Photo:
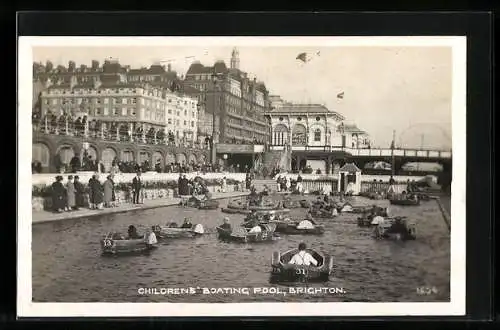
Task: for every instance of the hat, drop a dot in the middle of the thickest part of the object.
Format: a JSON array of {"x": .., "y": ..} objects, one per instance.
[{"x": 59, "y": 178}]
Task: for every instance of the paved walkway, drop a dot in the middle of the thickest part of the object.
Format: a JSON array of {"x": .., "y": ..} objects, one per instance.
[{"x": 45, "y": 216}]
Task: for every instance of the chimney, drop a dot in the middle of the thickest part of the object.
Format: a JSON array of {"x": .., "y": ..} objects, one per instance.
[{"x": 169, "y": 67}]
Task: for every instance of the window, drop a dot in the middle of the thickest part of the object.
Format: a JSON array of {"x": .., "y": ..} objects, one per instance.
[
  {"x": 124, "y": 101},
  {"x": 317, "y": 135},
  {"x": 115, "y": 111},
  {"x": 185, "y": 112},
  {"x": 169, "y": 121},
  {"x": 192, "y": 124},
  {"x": 178, "y": 113},
  {"x": 178, "y": 122},
  {"x": 169, "y": 111},
  {"x": 185, "y": 123},
  {"x": 54, "y": 101},
  {"x": 142, "y": 101},
  {"x": 124, "y": 111},
  {"x": 105, "y": 100},
  {"x": 134, "y": 100},
  {"x": 106, "y": 111}
]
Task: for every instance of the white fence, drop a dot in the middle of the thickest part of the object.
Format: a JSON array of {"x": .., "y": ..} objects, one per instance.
[{"x": 364, "y": 178}]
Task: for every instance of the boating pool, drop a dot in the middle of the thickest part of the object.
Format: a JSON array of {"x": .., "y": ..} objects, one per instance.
[{"x": 68, "y": 266}]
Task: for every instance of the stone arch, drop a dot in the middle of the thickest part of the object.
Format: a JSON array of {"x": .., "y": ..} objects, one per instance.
[
  {"x": 169, "y": 158},
  {"x": 299, "y": 134},
  {"x": 65, "y": 152},
  {"x": 93, "y": 151},
  {"x": 143, "y": 156},
  {"x": 192, "y": 159},
  {"x": 41, "y": 153},
  {"x": 127, "y": 155},
  {"x": 280, "y": 135},
  {"x": 158, "y": 157},
  {"x": 180, "y": 158},
  {"x": 107, "y": 156},
  {"x": 202, "y": 158}
]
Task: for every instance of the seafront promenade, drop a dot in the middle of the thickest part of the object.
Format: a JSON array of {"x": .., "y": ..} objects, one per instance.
[{"x": 46, "y": 216}]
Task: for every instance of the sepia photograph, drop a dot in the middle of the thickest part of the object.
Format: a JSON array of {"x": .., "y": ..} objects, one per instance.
[{"x": 241, "y": 176}]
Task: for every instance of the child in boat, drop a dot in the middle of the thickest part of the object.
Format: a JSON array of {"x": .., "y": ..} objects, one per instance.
[
  {"x": 226, "y": 225},
  {"x": 187, "y": 223},
  {"x": 132, "y": 233},
  {"x": 303, "y": 257}
]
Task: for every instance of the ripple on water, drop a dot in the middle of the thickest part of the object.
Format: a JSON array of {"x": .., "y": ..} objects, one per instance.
[{"x": 68, "y": 267}]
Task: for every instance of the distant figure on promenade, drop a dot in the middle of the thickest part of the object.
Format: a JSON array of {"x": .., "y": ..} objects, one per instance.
[
  {"x": 391, "y": 189},
  {"x": 75, "y": 164},
  {"x": 96, "y": 193},
  {"x": 248, "y": 181},
  {"x": 223, "y": 185},
  {"x": 303, "y": 257},
  {"x": 70, "y": 194},
  {"x": 278, "y": 181},
  {"x": 136, "y": 187},
  {"x": 109, "y": 191},
  {"x": 79, "y": 193},
  {"x": 288, "y": 183},
  {"x": 58, "y": 195}
]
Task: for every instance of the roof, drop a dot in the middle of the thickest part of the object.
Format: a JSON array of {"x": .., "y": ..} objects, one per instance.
[
  {"x": 352, "y": 128},
  {"x": 304, "y": 108},
  {"x": 349, "y": 167}
]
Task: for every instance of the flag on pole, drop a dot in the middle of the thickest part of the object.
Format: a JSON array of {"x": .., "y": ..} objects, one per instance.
[{"x": 340, "y": 95}]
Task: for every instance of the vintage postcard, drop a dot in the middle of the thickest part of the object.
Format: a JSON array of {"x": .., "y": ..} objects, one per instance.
[{"x": 241, "y": 176}]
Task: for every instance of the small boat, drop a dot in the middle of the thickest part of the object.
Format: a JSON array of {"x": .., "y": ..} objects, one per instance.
[
  {"x": 289, "y": 204},
  {"x": 172, "y": 231},
  {"x": 324, "y": 214},
  {"x": 389, "y": 229},
  {"x": 116, "y": 243},
  {"x": 269, "y": 207},
  {"x": 282, "y": 271},
  {"x": 235, "y": 211},
  {"x": 246, "y": 235},
  {"x": 208, "y": 205},
  {"x": 304, "y": 227},
  {"x": 404, "y": 201},
  {"x": 237, "y": 204}
]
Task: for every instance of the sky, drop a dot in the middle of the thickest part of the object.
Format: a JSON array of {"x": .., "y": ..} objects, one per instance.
[{"x": 407, "y": 89}]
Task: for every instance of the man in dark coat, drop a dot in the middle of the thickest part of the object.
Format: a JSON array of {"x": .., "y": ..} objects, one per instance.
[
  {"x": 79, "y": 193},
  {"x": 136, "y": 186},
  {"x": 58, "y": 195}
]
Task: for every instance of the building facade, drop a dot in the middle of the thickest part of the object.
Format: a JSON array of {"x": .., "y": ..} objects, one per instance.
[
  {"x": 311, "y": 132},
  {"x": 233, "y": 106},
  {"x": 103, "y": 101}
]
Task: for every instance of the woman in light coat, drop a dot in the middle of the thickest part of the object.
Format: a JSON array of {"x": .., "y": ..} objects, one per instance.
[
  {"x": 108, "y": 191},
  {"x": 70, "y": 194}
]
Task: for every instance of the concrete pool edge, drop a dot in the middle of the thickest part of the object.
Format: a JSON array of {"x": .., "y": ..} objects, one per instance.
[{"x": 46, "y": 216}]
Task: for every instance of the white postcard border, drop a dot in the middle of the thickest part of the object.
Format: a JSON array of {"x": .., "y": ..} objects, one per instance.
[{"x": 456, "y": 306}]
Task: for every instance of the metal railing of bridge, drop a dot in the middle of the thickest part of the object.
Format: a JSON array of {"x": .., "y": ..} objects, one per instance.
[{"x": 372, "y": 152}]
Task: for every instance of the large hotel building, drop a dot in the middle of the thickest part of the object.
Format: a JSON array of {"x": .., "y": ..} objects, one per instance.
[{"x": 117, "y": 105}]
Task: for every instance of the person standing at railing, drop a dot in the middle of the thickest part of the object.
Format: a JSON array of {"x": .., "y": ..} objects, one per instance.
[
  {"x": 58, "y": 195},
  {"x": 70, "y": 194},
  {"x": 136, "y": 186},
  {"x": 79, "y": 193}
]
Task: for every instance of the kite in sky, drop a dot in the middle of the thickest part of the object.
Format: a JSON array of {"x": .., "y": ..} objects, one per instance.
[
  {"x": 305, "y": 57},
  {"x": 340, "y": 95}
]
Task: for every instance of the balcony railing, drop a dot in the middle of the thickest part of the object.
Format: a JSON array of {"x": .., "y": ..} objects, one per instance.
[{"x": 101, "y": 131}]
